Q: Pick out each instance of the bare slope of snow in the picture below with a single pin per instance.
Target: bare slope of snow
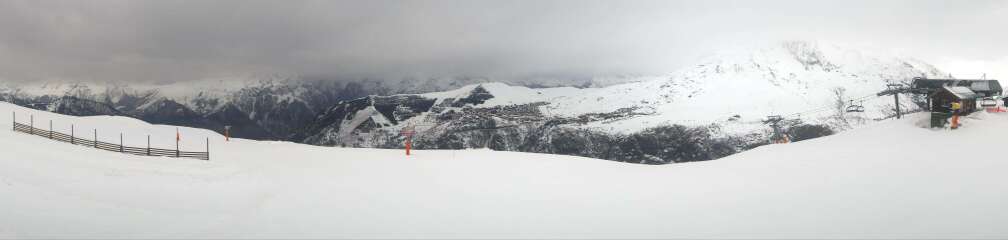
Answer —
(892, 180)
(796, 79)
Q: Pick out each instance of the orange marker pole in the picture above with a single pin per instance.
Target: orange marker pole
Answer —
(409, 142)
(408, 133)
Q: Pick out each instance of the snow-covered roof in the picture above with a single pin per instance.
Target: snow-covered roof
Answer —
(961, 92)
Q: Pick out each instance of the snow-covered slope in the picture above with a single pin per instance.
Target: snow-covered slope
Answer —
(891, 180)
(784, 79)
(722, 103)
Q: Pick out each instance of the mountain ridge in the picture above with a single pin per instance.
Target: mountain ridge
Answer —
(724, 98)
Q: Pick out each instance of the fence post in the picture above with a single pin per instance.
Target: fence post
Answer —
(177, 153)
(208, 149)
(148, 145)
(50, 129)
(120, 142)
(73, 140)
(31, 123)
(96, 138)
(13, 121)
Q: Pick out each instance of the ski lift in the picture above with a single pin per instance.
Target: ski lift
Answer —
(773, 119)
(778, 135)
(988, 102)
(855, 108)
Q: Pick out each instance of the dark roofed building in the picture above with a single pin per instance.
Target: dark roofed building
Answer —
(983, 88)
(941, 93)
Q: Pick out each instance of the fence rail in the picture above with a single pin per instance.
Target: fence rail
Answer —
(147, 151)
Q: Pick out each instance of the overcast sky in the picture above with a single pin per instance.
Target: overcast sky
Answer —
(171, 40)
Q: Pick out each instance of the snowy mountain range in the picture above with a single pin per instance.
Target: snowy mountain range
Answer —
(263, 107)
(707, 111)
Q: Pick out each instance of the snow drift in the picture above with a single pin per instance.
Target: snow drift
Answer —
(891, 180)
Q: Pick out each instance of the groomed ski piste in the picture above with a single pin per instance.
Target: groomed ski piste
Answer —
(890, 180)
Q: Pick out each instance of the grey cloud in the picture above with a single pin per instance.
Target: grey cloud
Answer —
(187, 40)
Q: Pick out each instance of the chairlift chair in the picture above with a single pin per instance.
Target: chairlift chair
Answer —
(852, 108)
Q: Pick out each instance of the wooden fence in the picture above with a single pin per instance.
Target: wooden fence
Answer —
(93, 142)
